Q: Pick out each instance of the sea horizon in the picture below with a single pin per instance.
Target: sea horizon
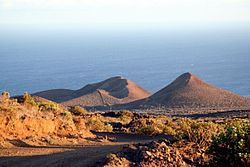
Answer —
(40, 61)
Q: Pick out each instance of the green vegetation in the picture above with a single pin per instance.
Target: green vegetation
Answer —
(127, 113)
(41, 105)
(198, 142)
(232, 147)
(125, 116)
(47, 106)
(28, 99)
(148, 130)
(67, 116)
(152, 126)
(77, 110)
(149, 126)
(97, 125)
(168, 130)
(197, 131)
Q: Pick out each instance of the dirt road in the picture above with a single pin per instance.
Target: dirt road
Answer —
(68, 156)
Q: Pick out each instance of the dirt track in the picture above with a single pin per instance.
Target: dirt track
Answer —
(83, 156)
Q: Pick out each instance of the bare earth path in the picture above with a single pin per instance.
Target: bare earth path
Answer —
(84, 155)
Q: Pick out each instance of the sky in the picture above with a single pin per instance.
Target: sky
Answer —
(123, 13)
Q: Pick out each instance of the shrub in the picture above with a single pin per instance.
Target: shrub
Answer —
(168, 130)
(232, 147)
(47, 106)
(77, 110)
(67, 117)
(28, 99)
(148, 130)
(42, 105)
(197, 131)
(125, 116)
(98, 126)
(151, 126)
(167, 125)
(125, 113)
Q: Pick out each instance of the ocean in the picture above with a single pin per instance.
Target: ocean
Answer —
(47, 60)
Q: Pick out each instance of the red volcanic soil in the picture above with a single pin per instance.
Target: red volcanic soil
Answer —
(115, 90)
(188, 91)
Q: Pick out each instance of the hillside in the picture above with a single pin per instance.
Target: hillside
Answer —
(37, 121)
(188, 91)
(115, 90)
(56, 95)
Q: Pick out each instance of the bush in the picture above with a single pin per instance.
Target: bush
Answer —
(67, 117)
(167, 126)
(125, 113)
(42, 105)
(148, 130)
(197, 131)
(28, 99)
(232, 147)
(125, 116)
(151, 126)
(77, 110)
(168, 130)
(47, 106)
(98, 126)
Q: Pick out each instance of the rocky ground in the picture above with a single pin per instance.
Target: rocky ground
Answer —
(159, 153)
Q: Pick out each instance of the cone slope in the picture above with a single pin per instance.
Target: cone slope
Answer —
(191, 92)
(115, 90)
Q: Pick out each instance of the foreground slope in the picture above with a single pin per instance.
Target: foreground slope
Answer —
(37, 121)
(188, 91)
(115, 90)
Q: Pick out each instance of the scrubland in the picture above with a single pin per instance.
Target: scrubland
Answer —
(154, 140)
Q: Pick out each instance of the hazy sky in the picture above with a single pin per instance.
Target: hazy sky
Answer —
(98, 13)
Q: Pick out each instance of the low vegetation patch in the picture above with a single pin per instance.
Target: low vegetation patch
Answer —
(195, 143)
(232, 146)
(28, 99)
(153, 126)
(97, 125)
(47, 106)
(125, 116)
(78, 110)
(197, 131)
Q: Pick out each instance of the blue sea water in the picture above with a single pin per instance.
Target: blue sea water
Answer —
(39, 61)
